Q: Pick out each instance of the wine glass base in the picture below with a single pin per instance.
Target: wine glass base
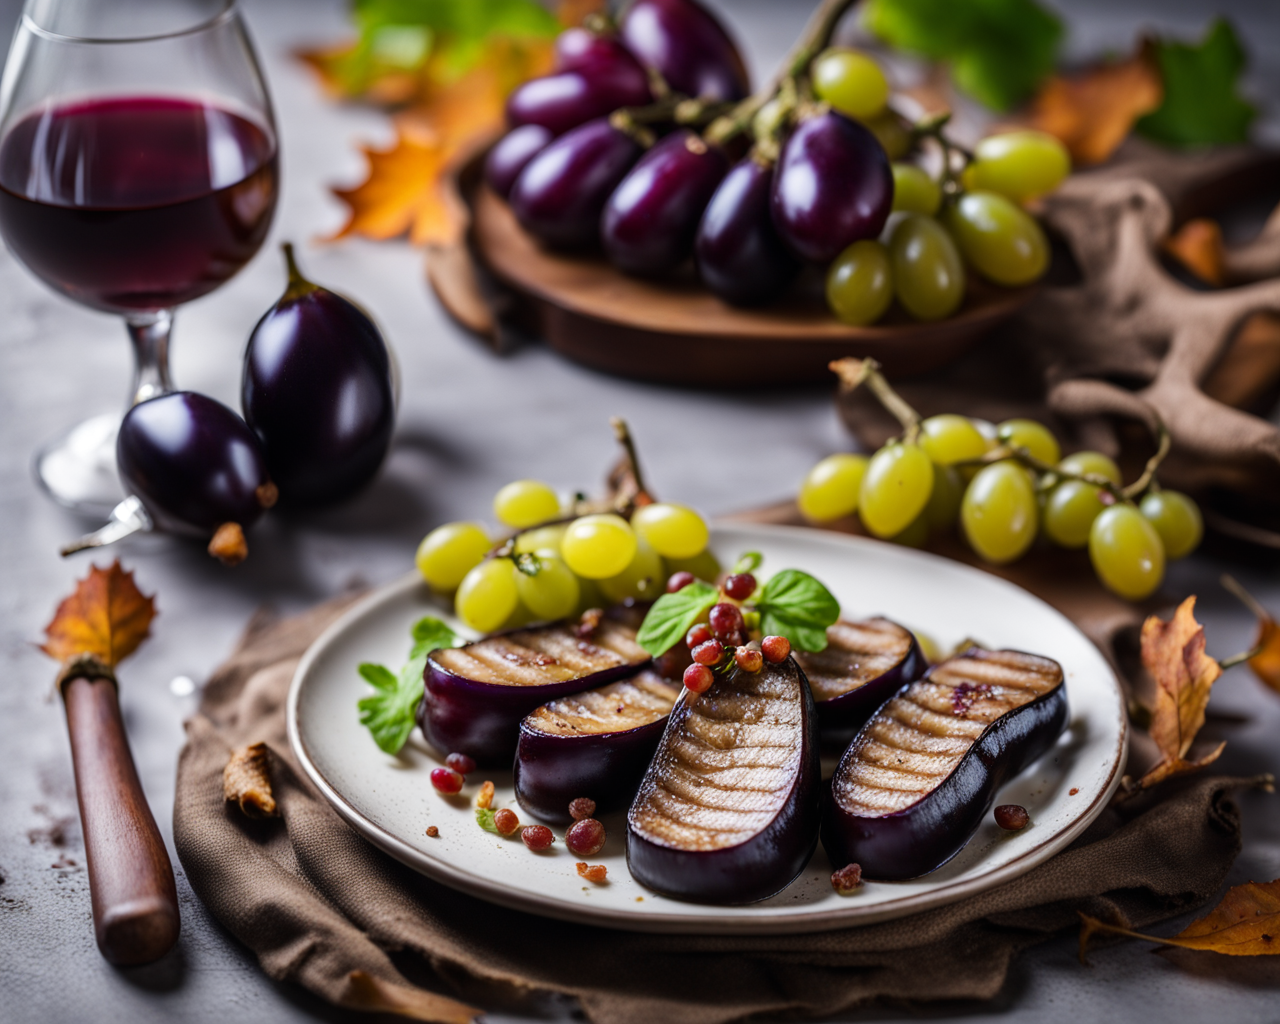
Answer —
(78, 470)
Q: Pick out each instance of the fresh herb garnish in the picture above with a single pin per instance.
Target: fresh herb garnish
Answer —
(795, 605)
(484, 818)
(673, 615)
(389, 712)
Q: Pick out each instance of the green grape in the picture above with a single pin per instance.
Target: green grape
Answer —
(598, 546)
(928, 274)
(1035, 437)
(1092, 463)
(894, 137)
(999, 512)
(487, 596)
(643, 579)
(1177, 519)
(540, 537)
(830, 490)
(859, 283)
(948, 439)
(673, 530)
(1069, 512)
(850, 81)
(914, 191)
(524, 503)
(1020, 165)
(895, 488)
(553, 592)
(449, 552)
(916, 534)
(1000, 240)
(1126, 552)
(945, 498)
(704, 565)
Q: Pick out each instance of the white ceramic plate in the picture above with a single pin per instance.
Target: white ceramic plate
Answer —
(391, 802)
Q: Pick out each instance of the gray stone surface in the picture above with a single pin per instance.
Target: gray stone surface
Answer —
(469, 423)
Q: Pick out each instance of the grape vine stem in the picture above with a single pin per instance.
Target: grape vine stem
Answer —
(855, 372)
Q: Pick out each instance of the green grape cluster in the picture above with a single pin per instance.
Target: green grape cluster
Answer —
(1007, 486)
(556, 564)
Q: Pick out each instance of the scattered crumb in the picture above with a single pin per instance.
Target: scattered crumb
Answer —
(432, 831)
(485, 797)
(246, 782)
(593, 872)
(1073, 791)
(639, 899)
(847, 880)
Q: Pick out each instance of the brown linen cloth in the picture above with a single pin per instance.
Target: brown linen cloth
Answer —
(323, 908)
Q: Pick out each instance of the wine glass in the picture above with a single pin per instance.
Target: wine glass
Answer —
(138, 171)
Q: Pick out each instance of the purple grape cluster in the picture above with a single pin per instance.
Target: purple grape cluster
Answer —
(603, 155)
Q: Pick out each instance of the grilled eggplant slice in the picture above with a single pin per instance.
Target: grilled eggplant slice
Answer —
(918, 779)
(864, 664)
(476, 695)
(595, 744)
(728, 811)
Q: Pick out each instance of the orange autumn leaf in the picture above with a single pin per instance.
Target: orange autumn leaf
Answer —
(575, 12)
(1173, 652)
(1245, 923)
(1266, 663)
(107, 617)
(1197, 245)
(1093, 113)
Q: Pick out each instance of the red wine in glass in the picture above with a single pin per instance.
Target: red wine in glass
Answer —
(136, 203)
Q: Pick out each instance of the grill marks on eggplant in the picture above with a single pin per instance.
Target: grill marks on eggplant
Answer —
(627, 704)
(920, 736)
(856, 653)
(536, 657)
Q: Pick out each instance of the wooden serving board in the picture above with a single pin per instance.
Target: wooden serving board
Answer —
(675, 331)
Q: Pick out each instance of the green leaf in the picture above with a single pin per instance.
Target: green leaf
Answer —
(1201, 105)
(795, 605)
(430, 634)
(473, 19)
(999, 50)
(484, 818)
(389, 713)
(672, 615)
(748, 561)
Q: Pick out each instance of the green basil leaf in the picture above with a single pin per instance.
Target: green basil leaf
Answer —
(795, 605)
(672, 615)
(389, 713)
(484, 818)
(430, 634)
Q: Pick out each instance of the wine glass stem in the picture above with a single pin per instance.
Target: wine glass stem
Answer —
(149, 333)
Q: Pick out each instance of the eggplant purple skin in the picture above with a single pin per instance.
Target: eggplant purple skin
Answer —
(551, 771)
(687, 45)
(567, 99)
(511, 153)
(840, 718)
(762, 866)
(924, 836)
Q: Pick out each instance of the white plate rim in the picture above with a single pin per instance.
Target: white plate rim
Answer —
(780, 924)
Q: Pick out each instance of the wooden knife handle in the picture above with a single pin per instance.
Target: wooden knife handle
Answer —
(135, 902)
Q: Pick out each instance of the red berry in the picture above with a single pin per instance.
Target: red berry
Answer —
(537, 837)
(505, 821)
(775, 648)
(581, 807)
(726, 620)
(585, 837)
(678, 581)
(460, 763)
(740, 586)
(708, 653)
(698, 678)
(1012, 817)
(446, 780)
(749, 659)
(700, 633)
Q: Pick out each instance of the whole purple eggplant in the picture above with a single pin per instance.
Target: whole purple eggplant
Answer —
(728, 811)
(317, 390)
(569, 98)
(650, 220)
(561, 192)
(687, 46)
(595, 744)
(916, 782)
(475, 696)
(740, 256)
(511, 153)
(832, 187)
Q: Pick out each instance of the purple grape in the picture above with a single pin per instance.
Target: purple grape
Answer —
(317, 390)
(193, 463)
(650, 220)
(683, 42)
(565, 100)
(508, 157)
(832, 187)
(740, 256)
(561, 191)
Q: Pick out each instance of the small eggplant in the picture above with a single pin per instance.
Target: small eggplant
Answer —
(864, 664)
(595, 744)
(476, 695)
(919, 778)
(728, 811)
(317, 389)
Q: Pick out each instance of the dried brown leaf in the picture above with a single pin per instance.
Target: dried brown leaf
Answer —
(1245, 923)
(1197, 245)
(371, 994)
(246, 781)
(1093, 113)
(1173, 652)
(107, 617)
(1266, 663)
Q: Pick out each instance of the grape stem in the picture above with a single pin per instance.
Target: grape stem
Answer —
(854, 372)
